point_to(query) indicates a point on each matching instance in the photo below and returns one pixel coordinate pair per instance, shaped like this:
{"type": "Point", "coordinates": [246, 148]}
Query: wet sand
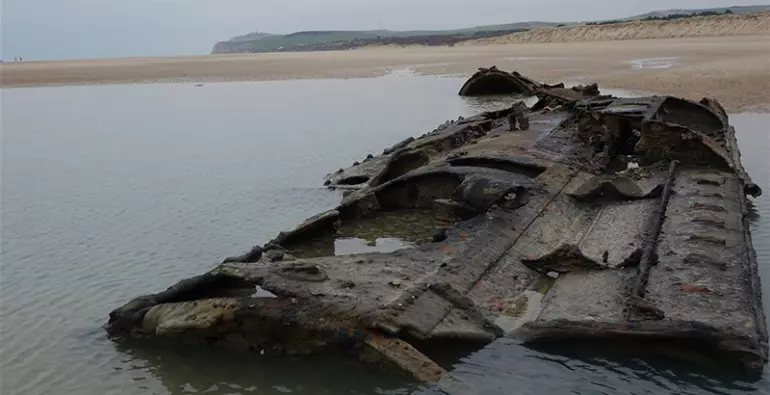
{"type": "Point", "coordinates": [734, 69]}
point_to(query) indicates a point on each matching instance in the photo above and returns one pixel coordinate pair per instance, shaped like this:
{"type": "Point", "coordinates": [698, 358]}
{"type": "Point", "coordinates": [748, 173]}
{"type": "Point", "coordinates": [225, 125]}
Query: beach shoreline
{"type": "Point", "coordinates": [733, 69]}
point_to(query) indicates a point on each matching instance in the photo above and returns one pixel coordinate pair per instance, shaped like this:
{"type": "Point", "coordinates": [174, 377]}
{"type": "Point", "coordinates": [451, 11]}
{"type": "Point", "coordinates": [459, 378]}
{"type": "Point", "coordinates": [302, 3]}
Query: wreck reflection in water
{"type": "Point", "coordinates": [93, 235]}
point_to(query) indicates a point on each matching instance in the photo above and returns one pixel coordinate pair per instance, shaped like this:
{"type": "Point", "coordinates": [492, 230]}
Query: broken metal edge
{"type": "Point", "coordinates": [394, 351]}
{"type": "Point", "coordinates": [494, 76]}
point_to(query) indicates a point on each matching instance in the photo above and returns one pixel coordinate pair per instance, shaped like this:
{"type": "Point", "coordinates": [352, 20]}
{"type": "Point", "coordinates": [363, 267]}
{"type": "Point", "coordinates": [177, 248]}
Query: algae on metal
{"type": "Point", "coordinates": [638, 207]}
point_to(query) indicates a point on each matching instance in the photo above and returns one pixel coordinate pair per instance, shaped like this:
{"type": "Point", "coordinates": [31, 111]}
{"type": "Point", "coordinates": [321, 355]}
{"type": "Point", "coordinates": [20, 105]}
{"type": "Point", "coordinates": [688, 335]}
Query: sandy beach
{"type": "Point", "coordinates": [734, 69]}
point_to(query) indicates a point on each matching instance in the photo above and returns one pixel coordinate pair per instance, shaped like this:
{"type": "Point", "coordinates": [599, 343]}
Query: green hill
{"type": "Point", "coordinates": [720, 10]}
{"type": "Point", "coordinates": [250, 37]}
{"type": "Point", "coordinates": [262, 42]}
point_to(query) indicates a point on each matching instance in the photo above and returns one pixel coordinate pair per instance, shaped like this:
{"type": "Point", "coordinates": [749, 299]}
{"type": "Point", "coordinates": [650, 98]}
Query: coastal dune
{"type": "Point", "coordinates": [720, 25]}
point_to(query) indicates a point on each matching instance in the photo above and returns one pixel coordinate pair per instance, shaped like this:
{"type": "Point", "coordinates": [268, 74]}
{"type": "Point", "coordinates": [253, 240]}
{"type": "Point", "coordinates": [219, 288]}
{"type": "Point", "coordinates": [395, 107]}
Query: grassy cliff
{"type": "Point", "coordinates": [295, 41]}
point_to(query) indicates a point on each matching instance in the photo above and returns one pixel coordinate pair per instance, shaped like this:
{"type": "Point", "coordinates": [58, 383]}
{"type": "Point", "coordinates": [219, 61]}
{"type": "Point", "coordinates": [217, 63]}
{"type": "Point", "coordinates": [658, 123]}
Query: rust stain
{"type": "Point", "coordinates": [497, 304]}
{"type": "Point", "coordinates": [375, 338]}
{"type": "Point", "coordinates": [694, 288]}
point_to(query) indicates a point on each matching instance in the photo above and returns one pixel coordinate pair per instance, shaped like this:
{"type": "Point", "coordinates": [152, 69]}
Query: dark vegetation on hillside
{"type": "Point", "coordinates": [428, 40]}
{"type": "Point", "coordinates": [663, 18]}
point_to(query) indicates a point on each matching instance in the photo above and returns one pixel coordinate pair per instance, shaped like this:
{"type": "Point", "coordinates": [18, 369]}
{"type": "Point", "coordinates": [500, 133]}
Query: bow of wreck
{"type": "Point", "coordinates": [599, 218]}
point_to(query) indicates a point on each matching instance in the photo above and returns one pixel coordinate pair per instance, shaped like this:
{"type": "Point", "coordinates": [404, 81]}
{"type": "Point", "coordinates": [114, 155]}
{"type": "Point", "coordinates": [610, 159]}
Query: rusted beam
{"type": "Point", "coordinates": [651, 240]}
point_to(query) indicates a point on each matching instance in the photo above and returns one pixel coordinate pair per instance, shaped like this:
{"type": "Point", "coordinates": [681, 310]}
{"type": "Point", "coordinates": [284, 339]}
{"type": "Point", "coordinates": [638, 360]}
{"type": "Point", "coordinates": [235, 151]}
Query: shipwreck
{"type": "Point", "coordinates": [599, 218]}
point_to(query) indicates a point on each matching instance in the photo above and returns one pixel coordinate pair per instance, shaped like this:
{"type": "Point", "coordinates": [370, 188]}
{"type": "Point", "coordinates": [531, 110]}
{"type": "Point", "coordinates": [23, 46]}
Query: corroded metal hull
{"type": "Point", "coordinates": [606, 219]}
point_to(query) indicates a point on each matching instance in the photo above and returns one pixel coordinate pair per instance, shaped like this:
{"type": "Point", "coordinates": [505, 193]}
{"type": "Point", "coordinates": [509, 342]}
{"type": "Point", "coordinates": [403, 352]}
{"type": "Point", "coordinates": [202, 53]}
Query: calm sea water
{"type": "Point", "coordinates": [109, 192]}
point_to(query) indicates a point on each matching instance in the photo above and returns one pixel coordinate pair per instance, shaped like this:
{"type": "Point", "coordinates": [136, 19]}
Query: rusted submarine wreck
{"type": "Point", "coordinates": [599, 219]}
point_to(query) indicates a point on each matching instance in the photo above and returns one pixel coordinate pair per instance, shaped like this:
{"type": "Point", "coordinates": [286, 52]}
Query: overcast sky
{"type": "Point", "coordinates": [54, 29]}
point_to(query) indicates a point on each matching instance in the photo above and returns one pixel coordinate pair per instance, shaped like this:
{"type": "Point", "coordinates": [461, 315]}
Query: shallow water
{"type": "Point", "coordinates": [654, 63]}
{"type": "Point", "coordinates": [380, 232]}
{"type": "Point", "coordinates": [109, 192]}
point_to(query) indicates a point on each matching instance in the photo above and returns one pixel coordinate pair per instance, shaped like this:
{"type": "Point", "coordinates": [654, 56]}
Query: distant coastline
{"type": "Point", "coordinates": [658, 24]}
